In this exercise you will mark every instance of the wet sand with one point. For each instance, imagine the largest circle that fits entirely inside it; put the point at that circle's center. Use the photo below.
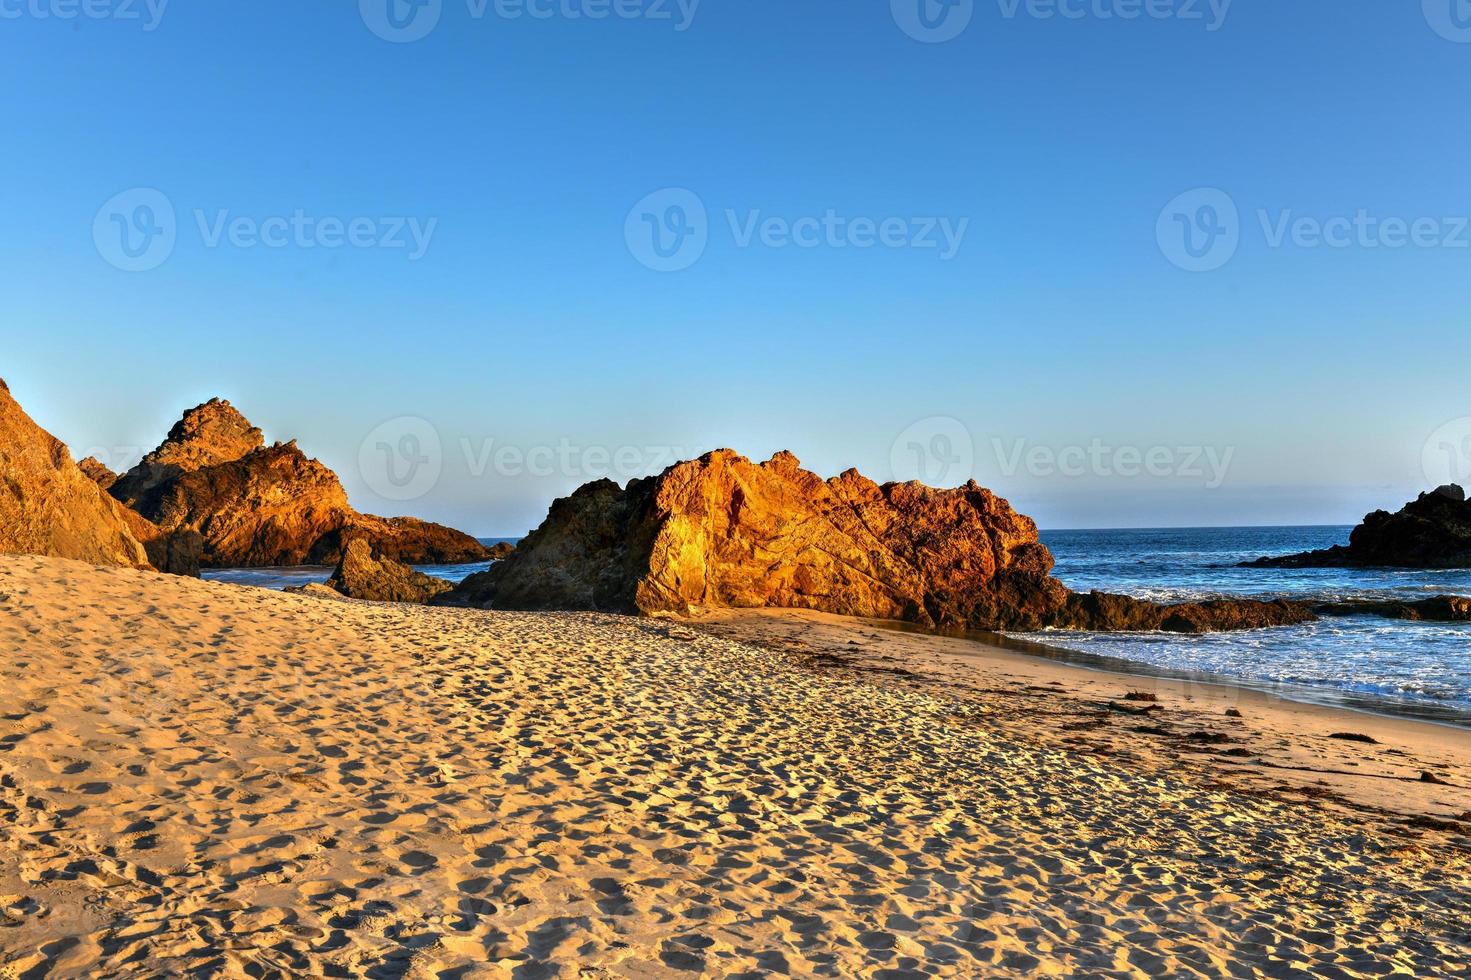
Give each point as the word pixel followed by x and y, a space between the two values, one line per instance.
pixel 205 777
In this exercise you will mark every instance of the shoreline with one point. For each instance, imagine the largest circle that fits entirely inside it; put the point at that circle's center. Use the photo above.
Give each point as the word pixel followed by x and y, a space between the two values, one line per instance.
pixel 1449 716
pixel 1278 745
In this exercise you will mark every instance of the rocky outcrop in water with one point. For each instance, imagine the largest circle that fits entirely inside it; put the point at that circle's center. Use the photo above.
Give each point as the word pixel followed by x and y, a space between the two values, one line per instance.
pixel 1102 612
pixel 1433 531
pixel 253 505
pixel 362 574
pixel 48 506
pixel 1437 609
pixel 722 531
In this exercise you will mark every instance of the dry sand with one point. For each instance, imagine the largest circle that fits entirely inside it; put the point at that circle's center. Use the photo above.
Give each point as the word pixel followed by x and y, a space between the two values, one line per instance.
pixel 203 778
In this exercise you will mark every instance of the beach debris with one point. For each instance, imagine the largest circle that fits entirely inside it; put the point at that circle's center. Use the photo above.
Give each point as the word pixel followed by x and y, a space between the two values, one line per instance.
pixel 1126 709
pixel 1209 738
pixel 1355 737
pixel 1431 823
pixel 1141 696
pixel 1433 779
pixel 1233 712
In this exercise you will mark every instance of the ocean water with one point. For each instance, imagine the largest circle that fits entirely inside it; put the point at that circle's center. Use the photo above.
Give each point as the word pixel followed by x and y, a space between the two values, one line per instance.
pixel 282 578
pixel 1362 660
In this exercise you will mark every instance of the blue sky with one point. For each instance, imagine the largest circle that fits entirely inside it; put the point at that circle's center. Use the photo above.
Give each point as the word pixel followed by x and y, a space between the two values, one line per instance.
pixel 1060 345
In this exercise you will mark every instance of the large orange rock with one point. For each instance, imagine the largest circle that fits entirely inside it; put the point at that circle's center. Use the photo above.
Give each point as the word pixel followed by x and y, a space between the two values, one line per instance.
pixel 722 531
pixel 48 506
pixel 254 505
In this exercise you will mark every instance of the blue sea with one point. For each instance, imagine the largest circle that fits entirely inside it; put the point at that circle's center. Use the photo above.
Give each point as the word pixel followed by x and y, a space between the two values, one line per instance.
pixel 1416 668
pixel 1419 668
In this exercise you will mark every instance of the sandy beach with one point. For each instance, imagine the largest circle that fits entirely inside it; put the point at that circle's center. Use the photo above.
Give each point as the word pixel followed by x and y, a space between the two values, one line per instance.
pixel 200 777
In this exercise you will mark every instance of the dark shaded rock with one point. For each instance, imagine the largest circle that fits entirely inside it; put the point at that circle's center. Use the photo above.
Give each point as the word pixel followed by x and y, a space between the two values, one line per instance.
pixel 48 506
pixel 1433 531
pixel 253 505
pixel 363 574
pixel 722 531
pixel 177 552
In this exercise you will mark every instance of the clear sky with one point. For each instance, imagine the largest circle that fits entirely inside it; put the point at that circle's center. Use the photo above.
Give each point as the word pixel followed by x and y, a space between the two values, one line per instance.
pixel 911 255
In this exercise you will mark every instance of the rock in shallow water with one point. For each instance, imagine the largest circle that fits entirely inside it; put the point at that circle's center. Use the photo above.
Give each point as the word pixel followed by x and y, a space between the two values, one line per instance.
pixel 1433 531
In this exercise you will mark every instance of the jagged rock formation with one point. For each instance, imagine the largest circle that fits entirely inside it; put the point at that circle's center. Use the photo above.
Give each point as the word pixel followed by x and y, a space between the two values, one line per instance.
pixel 207 435
pixel 254 505
pixel 96 471
pixel 362 574
pixel 48 506
pixel 722 531
pixel 1433 531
